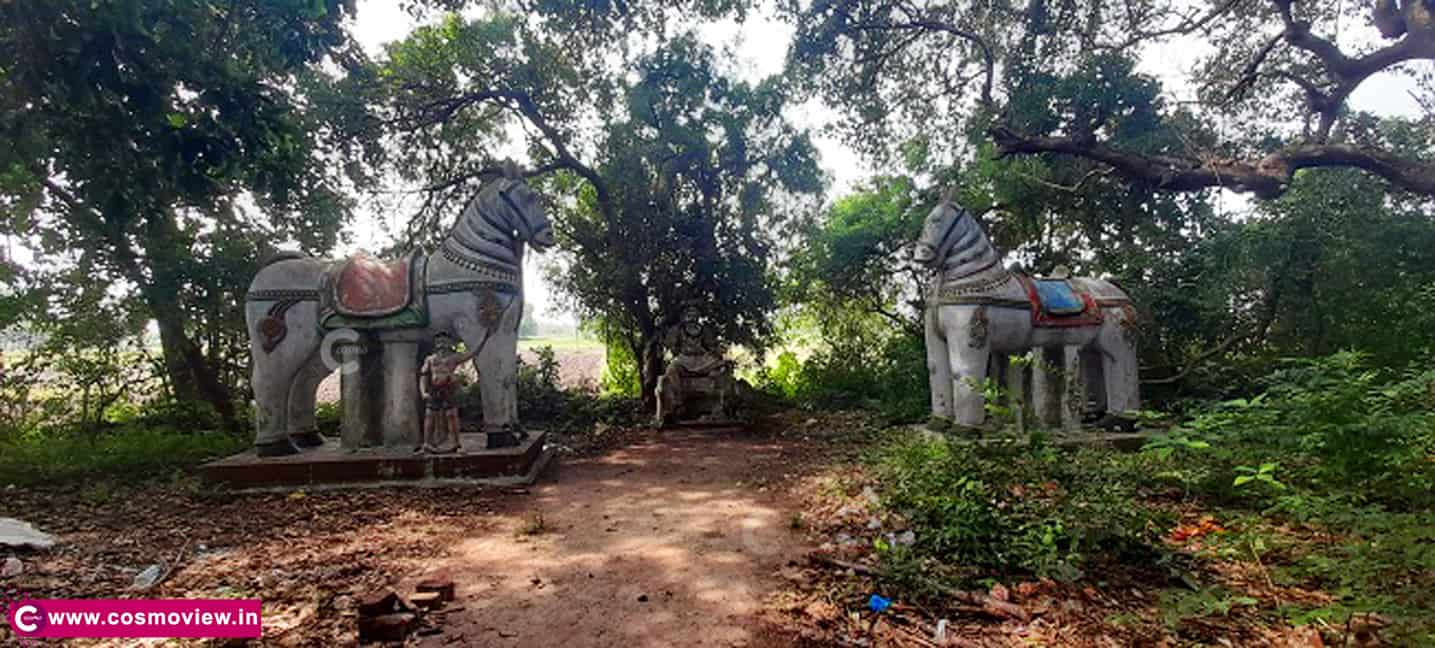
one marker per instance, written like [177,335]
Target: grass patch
[128,453]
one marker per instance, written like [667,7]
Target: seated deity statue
[698,383]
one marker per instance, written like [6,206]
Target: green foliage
[889,377]
[704,172]
[329,417]
[1335,448]
[141,448]
[1179,605]
[1322,423]
[855,258]
[545,403]
[620,371]
[132,128]
[1005,508]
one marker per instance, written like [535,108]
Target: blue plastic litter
[878,603]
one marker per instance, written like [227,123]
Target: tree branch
[1346,71]
[1188,23]
[1267,178]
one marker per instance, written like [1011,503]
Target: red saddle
[369,287]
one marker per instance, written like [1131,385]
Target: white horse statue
[377,317]
[978,314]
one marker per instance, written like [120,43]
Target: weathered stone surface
[698,384]
[18,533]
[331,466]
[12,568]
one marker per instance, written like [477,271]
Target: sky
[760,45]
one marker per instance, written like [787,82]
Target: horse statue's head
[508,204]
[939,232]
[953,240]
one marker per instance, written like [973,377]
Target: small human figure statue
[438,382]
[698,373]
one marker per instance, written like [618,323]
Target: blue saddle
[1057,297]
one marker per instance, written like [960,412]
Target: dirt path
[676,538]
[672,541]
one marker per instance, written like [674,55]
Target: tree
[137,132]
[705,172]
[674,181]
[900,68]
[856,258]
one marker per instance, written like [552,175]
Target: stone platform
[329,466]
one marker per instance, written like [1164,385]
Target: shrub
[134,451]
[887,376]
[1016,508]
[1327,424]
[544,402]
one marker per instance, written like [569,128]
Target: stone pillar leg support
[402,422]
[1016,391]
[1073,392]
[1046,385]
[356,370]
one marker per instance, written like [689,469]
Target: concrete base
[331,466]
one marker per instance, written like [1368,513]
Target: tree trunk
[650,367]
[190,375]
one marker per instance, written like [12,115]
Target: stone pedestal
[330,466]
[379,385]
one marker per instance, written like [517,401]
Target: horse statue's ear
[946,195]
[510,170]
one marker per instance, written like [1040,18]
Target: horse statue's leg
[1117,341]
[491,329]
[968,355]
[1014,379]
[939,368]
[303,427]
[1047,379]
[273,379]
[1073,391]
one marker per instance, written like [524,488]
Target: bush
[544,402]
[1341,451]
[887,376]
[135,451]
[1323,425]
[1008,508]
